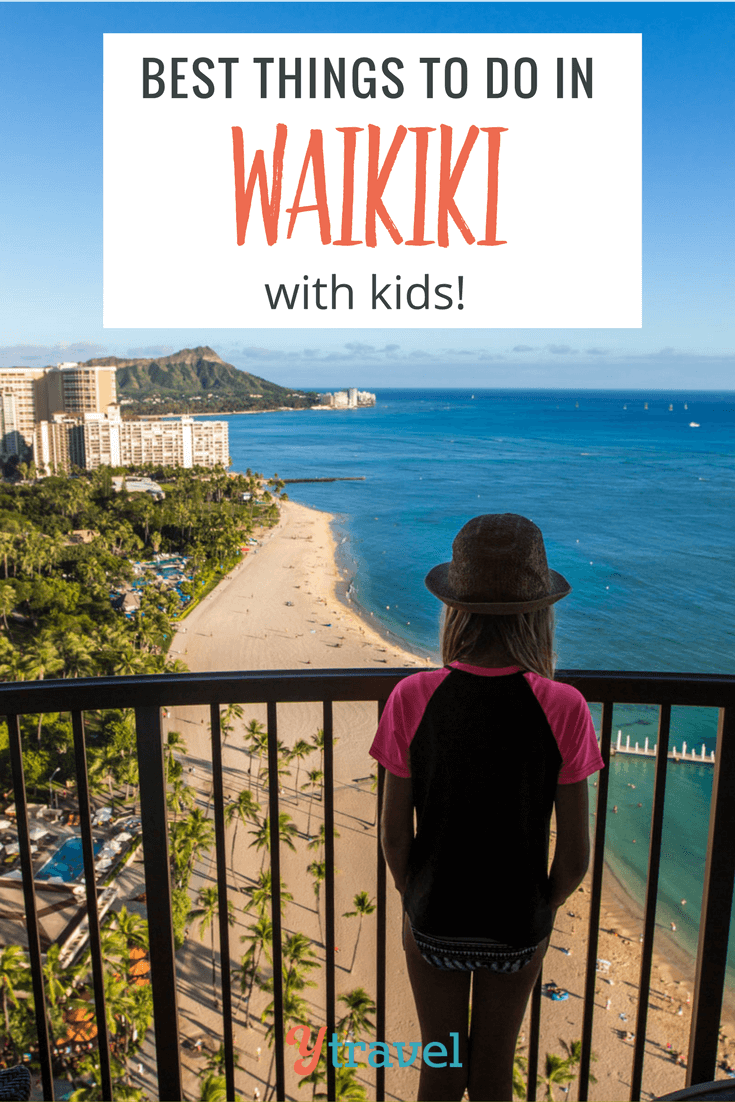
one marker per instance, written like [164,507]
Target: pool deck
[58,907]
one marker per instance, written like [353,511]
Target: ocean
[635,495]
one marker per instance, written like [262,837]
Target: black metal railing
[148,695]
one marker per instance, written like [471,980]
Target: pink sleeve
[401,716]
[571,723]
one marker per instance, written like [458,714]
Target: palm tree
[214,1088]
[216,1060]
[299,751]
[260,937]
[314,782]
[245,973]
[282,762]
[347,1088]
[243,809]
[7,601]
[558,1071]
[319,839]
[174,743]
[226,723]
[298,956]
[180,796]
[208,910]
[261,891]
[363,905]
[199,835]
[520,1073]
[573,1050]
[318,870]
[40,657]
[286,830]
[58,982]
[133,929]
[256,738]
[14,975]
[77,657]
[359,1006]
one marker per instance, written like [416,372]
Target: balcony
[327,690]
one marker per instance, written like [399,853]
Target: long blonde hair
[527,637]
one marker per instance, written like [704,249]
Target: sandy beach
[280,609]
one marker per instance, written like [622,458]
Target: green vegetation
[56,613]
[196,380]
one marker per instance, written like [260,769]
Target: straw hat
[498,568]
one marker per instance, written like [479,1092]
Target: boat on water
[694,424]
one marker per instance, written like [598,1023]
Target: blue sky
[51,268]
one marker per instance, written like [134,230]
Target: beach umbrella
[104,813]
[5,824]
[82,1026]
[104,863]
[14,847]
[37,832]
[124,836]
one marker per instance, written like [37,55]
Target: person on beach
[481,751]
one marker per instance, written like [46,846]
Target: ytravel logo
[379,1053]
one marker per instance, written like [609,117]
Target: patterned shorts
[467,955]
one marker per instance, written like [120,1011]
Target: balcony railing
[149,695]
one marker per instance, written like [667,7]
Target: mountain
[194,379]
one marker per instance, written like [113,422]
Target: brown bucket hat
[498,568]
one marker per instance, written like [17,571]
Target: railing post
[90,881]
[29,895]
[329,888]
[273,811]
[594,926]
[719,876]
[222,904]
[380,993]
[533,1039]
[152,774]
[649,921]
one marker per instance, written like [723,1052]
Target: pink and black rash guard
[485,750]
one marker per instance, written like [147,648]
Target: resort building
[77,389]
[347,399]
[10,440]
[40,394]
[104,439]
[24,387]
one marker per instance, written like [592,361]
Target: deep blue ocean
[635,495]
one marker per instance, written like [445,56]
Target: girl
[481,751]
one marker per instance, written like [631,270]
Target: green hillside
[195,379]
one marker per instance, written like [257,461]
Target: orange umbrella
[82,1026]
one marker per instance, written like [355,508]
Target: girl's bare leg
[498,1004]
[443,1006]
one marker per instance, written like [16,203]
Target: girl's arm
[572,853]
[396,826]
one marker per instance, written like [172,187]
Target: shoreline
[341,592]
[285,606]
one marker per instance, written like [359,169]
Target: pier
[684,755]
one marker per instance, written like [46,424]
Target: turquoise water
[636,507]
[67,862]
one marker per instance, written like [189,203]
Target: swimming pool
[67,863]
